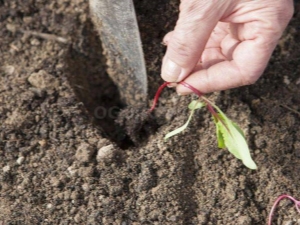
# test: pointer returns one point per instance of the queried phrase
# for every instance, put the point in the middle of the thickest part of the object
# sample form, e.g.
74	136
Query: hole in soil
92	86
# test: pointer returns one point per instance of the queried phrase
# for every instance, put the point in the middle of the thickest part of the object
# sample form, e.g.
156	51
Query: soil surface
64	159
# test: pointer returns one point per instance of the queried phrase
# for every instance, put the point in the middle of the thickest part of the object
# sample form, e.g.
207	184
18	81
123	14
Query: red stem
159	90
196	91
296	202
157	94
209	106
212	111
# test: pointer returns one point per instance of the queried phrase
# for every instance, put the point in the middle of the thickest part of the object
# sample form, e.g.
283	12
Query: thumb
197	20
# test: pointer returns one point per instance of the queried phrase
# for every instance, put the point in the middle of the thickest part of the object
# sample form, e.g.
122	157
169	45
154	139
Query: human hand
222	44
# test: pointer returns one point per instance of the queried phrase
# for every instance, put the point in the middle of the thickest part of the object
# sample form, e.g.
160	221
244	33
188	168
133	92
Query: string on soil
281	197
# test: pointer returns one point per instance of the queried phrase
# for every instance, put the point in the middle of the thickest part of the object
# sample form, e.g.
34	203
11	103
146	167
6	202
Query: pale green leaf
234	139
220	138
195	104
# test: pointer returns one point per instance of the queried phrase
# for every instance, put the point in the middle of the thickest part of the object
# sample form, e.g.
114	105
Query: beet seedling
229	135
296	202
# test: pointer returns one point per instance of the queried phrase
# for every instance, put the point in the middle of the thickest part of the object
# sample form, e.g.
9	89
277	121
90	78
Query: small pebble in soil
42	143
43	80
8	70
105	153
85	187
72	171
85	152
246	220
6	169
55	182
20	160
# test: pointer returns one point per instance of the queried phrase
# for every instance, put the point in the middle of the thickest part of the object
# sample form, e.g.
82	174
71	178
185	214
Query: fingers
196	21
243	54
238	50
167	38
250	58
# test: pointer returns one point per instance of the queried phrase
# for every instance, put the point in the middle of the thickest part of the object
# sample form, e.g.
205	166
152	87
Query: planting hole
92	86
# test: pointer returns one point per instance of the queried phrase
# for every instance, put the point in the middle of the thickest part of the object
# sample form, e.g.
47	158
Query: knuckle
180	47
250	78
181	52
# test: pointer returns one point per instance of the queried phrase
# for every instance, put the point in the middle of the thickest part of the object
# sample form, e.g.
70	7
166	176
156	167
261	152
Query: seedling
296	202
229	135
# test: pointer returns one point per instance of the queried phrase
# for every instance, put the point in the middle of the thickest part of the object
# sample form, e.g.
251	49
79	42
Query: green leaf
230	135
195	104
220	138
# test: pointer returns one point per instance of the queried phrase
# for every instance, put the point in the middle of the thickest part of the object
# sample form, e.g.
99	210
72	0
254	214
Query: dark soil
137	122
64	160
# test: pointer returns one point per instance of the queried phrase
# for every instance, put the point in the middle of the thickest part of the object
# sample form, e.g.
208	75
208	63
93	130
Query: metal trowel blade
116	23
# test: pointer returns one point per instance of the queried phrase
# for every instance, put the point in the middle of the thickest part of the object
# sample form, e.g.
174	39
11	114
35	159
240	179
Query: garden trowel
116	23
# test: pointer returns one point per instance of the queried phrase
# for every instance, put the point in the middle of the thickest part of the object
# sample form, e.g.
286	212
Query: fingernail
171	71
172	85
183	93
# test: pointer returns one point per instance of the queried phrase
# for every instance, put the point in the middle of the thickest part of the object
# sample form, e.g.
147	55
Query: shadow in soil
92	85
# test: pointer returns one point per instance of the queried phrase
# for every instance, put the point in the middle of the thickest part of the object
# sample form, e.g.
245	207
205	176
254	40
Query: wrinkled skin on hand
222	44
